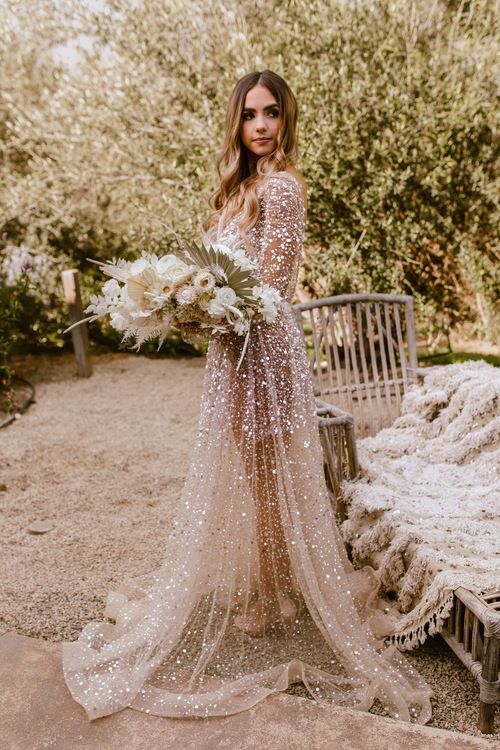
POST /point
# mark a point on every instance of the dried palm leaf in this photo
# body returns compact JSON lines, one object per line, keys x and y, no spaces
{"x":216,"y":261}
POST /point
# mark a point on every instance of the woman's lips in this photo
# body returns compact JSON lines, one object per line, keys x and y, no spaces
{"x":261,"y":140}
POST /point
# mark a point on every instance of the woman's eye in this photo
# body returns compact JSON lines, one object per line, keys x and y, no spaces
{"x":249,"y":115}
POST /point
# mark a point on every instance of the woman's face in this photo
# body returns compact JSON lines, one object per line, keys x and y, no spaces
{"x":261,"y":120}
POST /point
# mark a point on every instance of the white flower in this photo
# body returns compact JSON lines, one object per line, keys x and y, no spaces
{"x":173,"y":269}
{"x":225,"y":299}
{"x":142,"y":278}
{"x":137,"y":305}
{"x":167,"y":288}
{"x":204,"y":281}
{"x":118,"y":321}
{"x":98,"y":305}
{"x":138,"y":266}
{"x":218,"y":272}
{"x":111,"y":289}
{"x":269,"y":299}
{"x":239,"y":256}
{"x":110,"y":299}
{"x":151,"y":281}
{"x":19,"y":261}
{"x":244,"y":262}
{"x":165,"y":262}
{"x":186,"y":295}
{"x":241,"y":326}
{"x":226,"y":296}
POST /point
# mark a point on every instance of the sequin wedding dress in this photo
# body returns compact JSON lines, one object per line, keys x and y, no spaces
{"x":255,"y":590}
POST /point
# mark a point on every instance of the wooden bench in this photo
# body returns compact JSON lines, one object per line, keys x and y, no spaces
{"x":472,"y":630}
{"x":362,"y":352}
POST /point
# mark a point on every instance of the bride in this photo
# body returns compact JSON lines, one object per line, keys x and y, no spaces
{"x":255,"y":591}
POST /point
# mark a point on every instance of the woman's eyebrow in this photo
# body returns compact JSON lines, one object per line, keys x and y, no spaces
{"x":269,"y":106}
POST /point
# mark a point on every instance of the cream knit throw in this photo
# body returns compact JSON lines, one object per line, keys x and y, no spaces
{"x":425,"y":513}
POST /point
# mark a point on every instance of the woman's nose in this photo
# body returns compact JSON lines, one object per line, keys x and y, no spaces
{"x":260,"y":124}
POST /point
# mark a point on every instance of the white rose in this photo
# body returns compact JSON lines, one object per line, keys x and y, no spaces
{"x":204,"y":281}
{"x":138,"y":266}
{"x":164,"y":263}
{"x":224,"y":299}
{"x":226,"y":296}
{"x":178,"y":274}
{"x":171,"y":268}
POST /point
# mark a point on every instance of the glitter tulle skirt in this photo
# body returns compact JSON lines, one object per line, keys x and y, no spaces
{"x":255,"y":523}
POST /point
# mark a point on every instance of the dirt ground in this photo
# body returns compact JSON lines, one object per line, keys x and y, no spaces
{"x":104,"y":460}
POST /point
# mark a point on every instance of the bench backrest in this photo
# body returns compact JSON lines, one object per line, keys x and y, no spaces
{"x":362,"y":351}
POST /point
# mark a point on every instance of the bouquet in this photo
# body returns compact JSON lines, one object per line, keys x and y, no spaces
{"x":211,"y":285}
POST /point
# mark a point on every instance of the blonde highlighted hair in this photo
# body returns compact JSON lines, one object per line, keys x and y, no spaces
{"x":237,"y":190}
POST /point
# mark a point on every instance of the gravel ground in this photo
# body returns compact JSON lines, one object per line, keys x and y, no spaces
{"x":104,"y":460}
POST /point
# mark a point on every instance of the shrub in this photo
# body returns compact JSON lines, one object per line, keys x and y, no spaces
{"x":397,"y":100}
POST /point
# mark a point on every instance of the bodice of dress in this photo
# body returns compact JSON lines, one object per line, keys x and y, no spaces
{"x":275,"y":241}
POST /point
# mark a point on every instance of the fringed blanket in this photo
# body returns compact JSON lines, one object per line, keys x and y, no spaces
{"x":425,"y":513}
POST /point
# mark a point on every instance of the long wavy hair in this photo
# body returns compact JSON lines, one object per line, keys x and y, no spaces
{"x":237,"y":190}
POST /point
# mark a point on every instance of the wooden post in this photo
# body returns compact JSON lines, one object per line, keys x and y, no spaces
{"x":80,"y":336}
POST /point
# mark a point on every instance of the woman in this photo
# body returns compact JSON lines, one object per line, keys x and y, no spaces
{"x":255,"y":591}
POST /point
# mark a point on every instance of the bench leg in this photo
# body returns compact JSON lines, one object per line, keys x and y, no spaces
{"x":489,"y":685}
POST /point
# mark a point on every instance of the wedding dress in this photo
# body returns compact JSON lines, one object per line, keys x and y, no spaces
{"x":255,"y":519}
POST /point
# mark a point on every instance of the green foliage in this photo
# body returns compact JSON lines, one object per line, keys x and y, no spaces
{"x":9,"y":306}
{"x":449,"y":358}
{"x":100,"y":157}
{"x":410,"y":161}
{"x":31,"y":314}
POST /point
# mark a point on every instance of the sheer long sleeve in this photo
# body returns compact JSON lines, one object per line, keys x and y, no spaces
{"x":283,"y":228}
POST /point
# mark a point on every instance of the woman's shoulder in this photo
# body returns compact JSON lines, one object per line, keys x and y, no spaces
{"x":284,"y":182}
